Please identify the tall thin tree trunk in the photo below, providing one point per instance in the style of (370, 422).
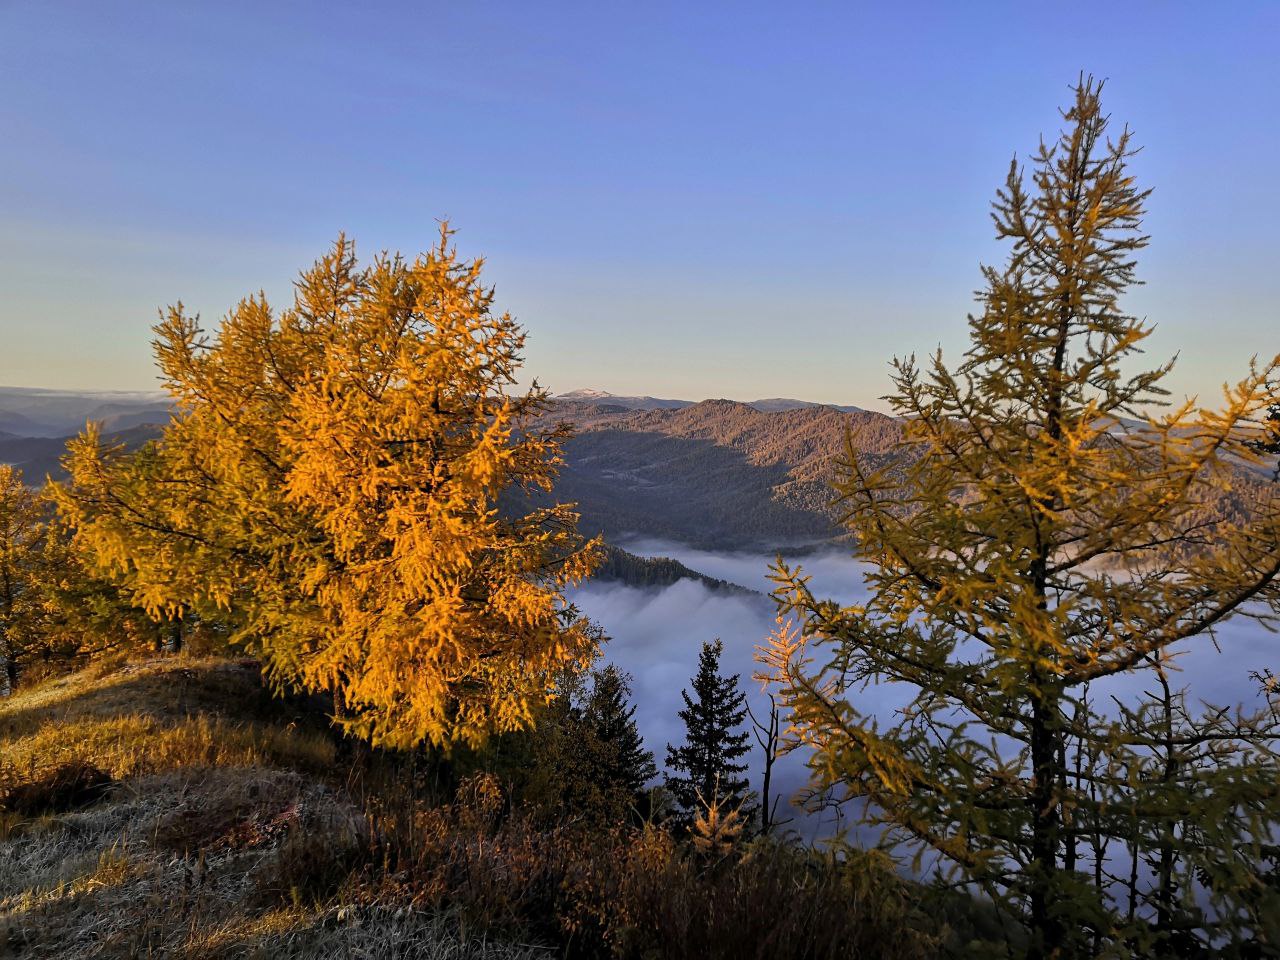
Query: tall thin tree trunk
(6, 646)
(1046, 935)
(1165, 882)
(1068, 821)
(767, 735)
(10, 676)
(173, 644)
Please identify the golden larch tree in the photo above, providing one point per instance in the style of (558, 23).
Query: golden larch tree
(330, 484)
(1048, 534)
(23, 530)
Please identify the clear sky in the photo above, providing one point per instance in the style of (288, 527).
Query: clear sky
(687, 199)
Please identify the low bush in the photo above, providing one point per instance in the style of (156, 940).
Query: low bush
(620, 891)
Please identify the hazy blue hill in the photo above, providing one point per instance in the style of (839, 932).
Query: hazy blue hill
(16, 423)
(32, 412)
(38, 457)
(123, 416)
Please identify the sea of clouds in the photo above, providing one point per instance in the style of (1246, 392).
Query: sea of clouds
(656, 634)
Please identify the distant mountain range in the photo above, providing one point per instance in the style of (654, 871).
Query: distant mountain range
(601, 398)
(718, 474)
(33, 412)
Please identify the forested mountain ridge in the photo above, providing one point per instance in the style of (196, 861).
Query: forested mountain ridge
(718, 474)
(622, 566)
(603, 398)
(725, 475)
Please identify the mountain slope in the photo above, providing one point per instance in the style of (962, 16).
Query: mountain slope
(717, 474)
(723, 475)
(31, 412)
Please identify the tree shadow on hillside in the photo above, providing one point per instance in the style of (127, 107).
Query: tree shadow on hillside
(231, 689)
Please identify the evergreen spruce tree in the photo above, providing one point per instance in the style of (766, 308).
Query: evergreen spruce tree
(1048, 535)
(623, 761)
(707, 765)
(586, 756)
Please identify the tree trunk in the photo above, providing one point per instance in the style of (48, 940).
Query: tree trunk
(767, 736)
(1165, 894)
(173, 644)
(10, 676)
(1046, 932)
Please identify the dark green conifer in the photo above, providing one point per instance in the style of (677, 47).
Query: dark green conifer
(622, 762)
(587, 758)
(707, 765)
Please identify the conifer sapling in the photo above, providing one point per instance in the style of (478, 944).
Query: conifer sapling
(707, 765)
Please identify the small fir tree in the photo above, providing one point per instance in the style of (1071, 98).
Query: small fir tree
(585, 757)
(707, 765)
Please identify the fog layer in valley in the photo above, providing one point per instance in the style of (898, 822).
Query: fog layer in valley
(656, 634)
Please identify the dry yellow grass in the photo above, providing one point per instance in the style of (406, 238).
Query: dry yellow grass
(212, 781)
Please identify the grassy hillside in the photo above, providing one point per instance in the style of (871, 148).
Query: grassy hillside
(172, 808)
(154, 809)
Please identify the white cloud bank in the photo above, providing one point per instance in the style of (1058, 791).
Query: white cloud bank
(656, 634)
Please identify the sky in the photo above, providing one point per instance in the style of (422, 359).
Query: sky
(686, 200)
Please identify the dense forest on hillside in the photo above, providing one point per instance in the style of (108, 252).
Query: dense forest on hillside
(626, 568)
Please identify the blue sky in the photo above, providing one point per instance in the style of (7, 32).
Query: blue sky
(689, 200)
